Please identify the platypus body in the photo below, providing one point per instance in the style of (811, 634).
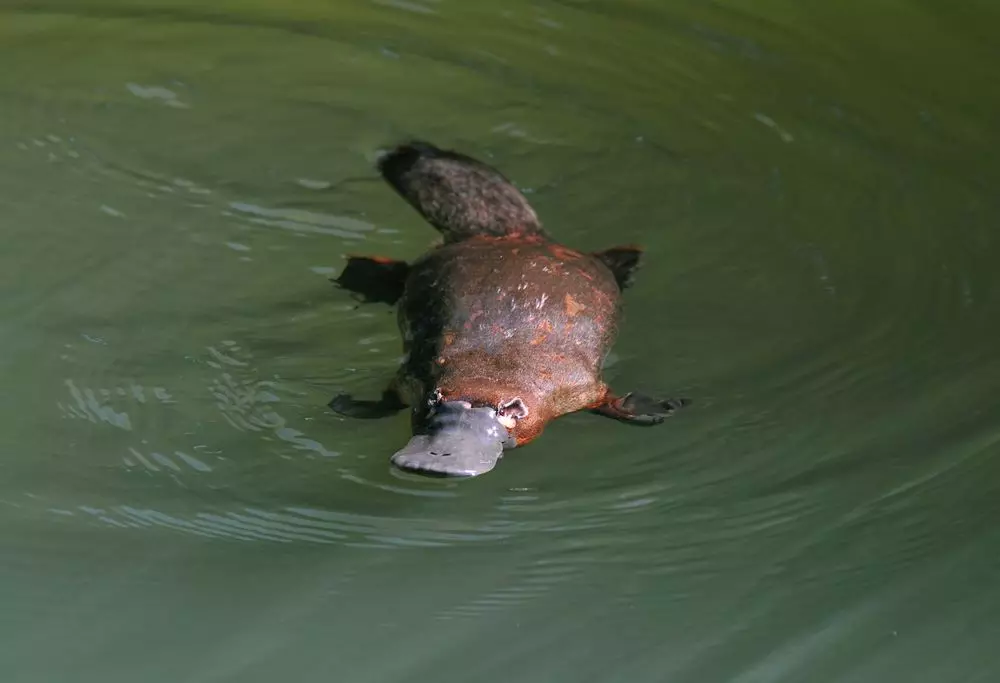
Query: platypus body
(504, 330)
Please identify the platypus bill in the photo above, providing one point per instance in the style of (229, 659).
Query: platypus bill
(503, 329)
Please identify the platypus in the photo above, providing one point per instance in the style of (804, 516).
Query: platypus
(504, 329)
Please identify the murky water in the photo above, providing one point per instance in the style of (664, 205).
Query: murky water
(815, 185)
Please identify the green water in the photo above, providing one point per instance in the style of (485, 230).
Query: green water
(815, 185)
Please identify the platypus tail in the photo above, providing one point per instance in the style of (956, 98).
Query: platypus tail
(458, 195)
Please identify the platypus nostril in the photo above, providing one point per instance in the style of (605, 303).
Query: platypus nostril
(515, 408)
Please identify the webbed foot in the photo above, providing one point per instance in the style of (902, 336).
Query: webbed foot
(374, 279)
(639, 409)
(623, 262)
(388, 405)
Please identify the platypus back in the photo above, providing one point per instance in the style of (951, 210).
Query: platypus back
(500, 336)
(458, 195)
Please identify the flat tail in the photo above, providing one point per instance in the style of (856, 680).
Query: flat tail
(458, 195)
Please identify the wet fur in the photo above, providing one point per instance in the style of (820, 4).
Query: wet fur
(533, 320)
(499, 310)
(458, 195)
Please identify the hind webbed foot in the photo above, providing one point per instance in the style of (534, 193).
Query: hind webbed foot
(639, 409)
(623, 262)
(347, 406)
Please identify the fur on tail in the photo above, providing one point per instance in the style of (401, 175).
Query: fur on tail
(458, 195)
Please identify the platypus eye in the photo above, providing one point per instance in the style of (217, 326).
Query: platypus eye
(514, 408)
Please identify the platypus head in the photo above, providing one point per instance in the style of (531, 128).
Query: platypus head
(457, 440)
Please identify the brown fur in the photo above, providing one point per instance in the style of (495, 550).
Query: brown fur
(488, 320)
(498, 315)
(458, 195)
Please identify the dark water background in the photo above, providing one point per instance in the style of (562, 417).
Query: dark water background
(816, 187)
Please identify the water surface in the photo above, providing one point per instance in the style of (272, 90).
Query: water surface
(815, 187)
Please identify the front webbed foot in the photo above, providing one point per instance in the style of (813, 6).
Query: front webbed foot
(347, 406)
(640, 409)
(374, 279)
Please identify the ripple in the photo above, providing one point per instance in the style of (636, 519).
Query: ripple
(303, 221)
(311, 526)
(157, 461)
(522, 583)
(406, 6)
(96, 404)
(157, 93)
